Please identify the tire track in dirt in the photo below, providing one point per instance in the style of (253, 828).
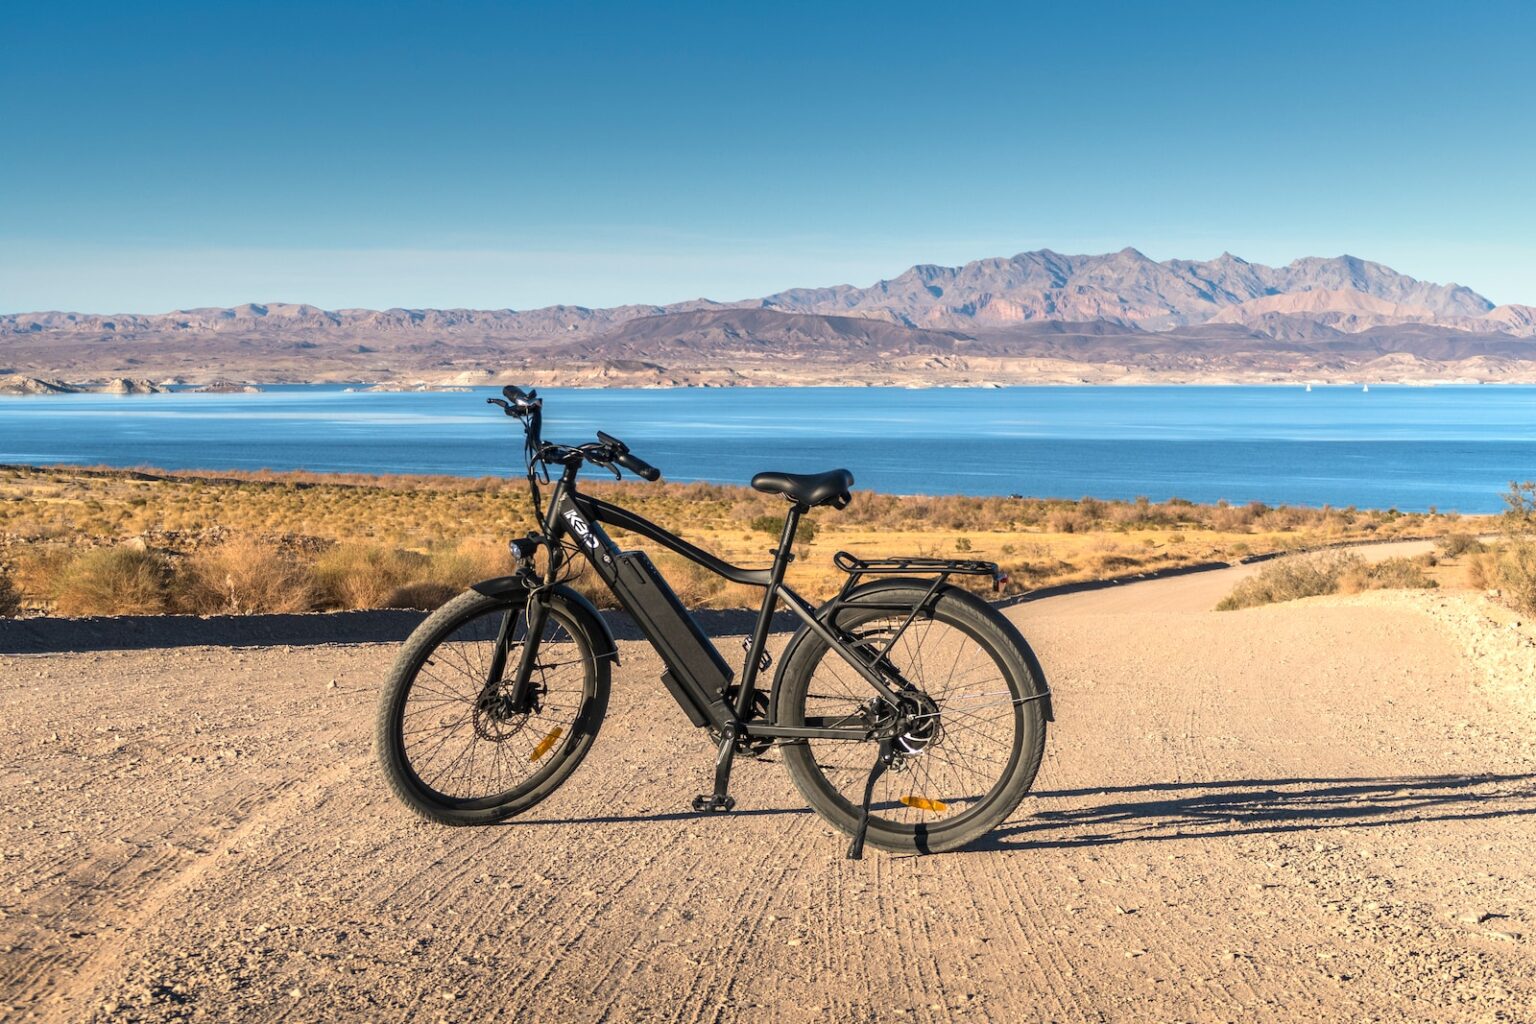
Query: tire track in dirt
(88, 976)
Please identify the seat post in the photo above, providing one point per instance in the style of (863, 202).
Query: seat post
(782, 556)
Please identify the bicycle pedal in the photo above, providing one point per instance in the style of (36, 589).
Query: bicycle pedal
(711, 804)
(764, 659)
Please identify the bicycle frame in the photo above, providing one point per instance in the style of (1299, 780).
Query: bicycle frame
(571, 513)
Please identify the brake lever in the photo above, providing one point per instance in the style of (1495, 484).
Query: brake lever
(505, 407)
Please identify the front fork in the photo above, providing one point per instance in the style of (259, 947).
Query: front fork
(519, 700)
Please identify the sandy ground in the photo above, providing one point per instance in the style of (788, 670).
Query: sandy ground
(1311, 812)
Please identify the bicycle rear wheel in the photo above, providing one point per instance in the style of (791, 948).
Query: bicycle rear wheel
(451, 744)
(965, 762)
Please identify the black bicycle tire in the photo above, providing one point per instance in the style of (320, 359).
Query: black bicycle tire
(389, 741)
(1011, 652)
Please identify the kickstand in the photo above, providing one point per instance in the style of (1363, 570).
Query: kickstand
(720, 801)
(856, 848)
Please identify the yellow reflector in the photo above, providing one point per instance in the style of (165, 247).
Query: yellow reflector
(922, 803)
(545, 743)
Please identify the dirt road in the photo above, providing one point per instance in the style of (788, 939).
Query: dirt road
(1318, 811)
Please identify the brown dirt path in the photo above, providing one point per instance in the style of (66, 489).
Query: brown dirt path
(1317, 811)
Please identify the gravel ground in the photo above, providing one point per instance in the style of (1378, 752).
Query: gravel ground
(1316, 811)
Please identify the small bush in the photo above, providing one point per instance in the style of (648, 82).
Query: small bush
(774, 526)
(1516, 577)
(38, 570)
(360, 575)
(112, 581)
(1453, 545)
(1520, 510)
(10, 597)
(1516, 567)
(242, 576)
(1483, 568)
(1390, 574)
(1290, 578)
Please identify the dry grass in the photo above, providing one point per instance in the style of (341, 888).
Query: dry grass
(112, 581)
(367, 541)
(1324, 572)
(1508, 570)
(243, 575)
(355, 574)
(1291, 578)
(1454, 545)
(1389, 574)
(10, 597)
(1515, 568)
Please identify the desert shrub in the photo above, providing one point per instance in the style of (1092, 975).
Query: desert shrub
(111, 581)
(1290, 578)
(1483, 568)
(1517, 574)
(1068, 520)
(774, 526)
(242, 576)
(1389, 574)
(1453, 545)
(1516, 566)
(469, 561)
(10, 597)
(356, 574)
(38, 569)
(1520, 509)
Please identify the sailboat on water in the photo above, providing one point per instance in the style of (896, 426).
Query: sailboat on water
(1365, 387)
(1309, 387)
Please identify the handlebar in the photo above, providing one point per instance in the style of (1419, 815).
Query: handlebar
(609, 451)
(639, 467)
(633, 463)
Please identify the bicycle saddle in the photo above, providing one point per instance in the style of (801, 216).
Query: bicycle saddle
(808, 489)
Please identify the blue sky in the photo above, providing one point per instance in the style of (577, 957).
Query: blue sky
(171, 155)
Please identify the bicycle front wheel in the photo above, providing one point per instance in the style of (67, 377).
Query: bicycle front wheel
(453, 744)
(963, 766)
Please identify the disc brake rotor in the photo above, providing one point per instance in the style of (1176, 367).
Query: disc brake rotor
(494, 719)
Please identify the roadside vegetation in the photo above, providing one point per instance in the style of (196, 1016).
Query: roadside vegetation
(1326, 572)
(1504, 566)
(82, 541)
(1507, 569)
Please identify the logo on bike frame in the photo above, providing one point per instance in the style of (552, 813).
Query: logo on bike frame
(580, 528)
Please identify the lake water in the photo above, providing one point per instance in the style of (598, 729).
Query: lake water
(1408, 447)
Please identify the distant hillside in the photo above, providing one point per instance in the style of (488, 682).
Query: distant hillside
(1124, 287)
(1035, 316)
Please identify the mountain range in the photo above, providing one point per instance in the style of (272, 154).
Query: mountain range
(1035, 316)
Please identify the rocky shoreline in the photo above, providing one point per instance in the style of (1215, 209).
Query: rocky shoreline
(608, 376)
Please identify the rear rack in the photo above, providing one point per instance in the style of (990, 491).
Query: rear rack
(940, 569)
(855, 567)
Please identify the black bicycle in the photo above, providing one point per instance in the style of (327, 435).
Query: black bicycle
(908, 711)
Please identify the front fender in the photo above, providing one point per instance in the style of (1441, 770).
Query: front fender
(603, 644)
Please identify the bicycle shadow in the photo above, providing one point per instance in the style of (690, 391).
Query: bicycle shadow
(1224, 810)
(685, 815)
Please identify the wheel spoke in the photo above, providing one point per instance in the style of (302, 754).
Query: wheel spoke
(461, 740)
(971, 711)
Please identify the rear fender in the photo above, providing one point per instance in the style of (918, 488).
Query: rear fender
(603, 645)
(874, 595)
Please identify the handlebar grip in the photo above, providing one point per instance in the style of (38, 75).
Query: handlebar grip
(639, 467)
